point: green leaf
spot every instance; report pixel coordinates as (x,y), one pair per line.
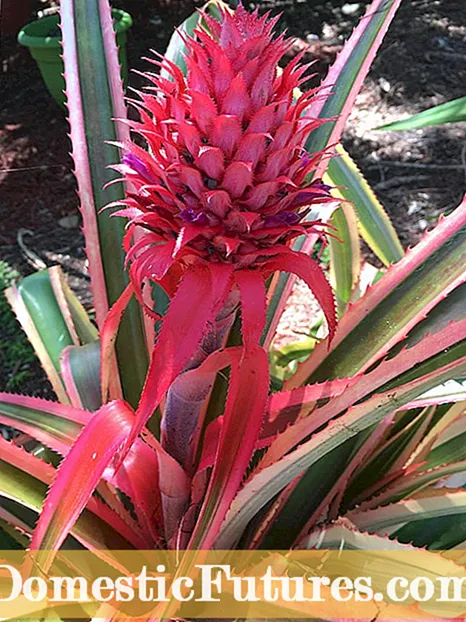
(39,298)
(436,533)
(383,461)
(450,112)
(28,492)
(81,372)
(345,77)
(11,538)
(53,320)
(294,351)
(345,256)
(373,222)
(263,485)
(341,535)
(307,496)
(36,307)
(409,484)
(411,563)
(74,313)
(451,446)
(335,101)
(54,425)
(389,519)
(95,99)
(395,305)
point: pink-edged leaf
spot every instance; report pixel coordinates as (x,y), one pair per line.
(394,305)
(337,95)
(80,369)
(425,418)
(78,476)
(451,392)
(21,459)
(72,309)
(253,305)
(64,411)
(54,441)
(89,205)
(238,437)
(17,529)
(312,274)
(285,407)
(335,495)
(38,341)
(428,504)
(411,482)
(452,423)
(113,67)
(138,478)
(57,281)
(345,78)
(182,330)
(342,534)
(45,473)
(373,222)
(356,389)
(58,426)
(94,533)
(94,100)
(267,521)
(68,379)
(174,486)
(264,484)
(122,523)
(380,484)
(345,255)
(108,336)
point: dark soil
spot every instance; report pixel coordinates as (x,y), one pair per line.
(417,174)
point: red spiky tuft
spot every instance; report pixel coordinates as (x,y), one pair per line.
(225,174)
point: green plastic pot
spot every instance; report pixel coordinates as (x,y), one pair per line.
(43,38)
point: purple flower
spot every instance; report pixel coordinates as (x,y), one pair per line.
(131,160)
(197,218)
(311,194)
(282,218)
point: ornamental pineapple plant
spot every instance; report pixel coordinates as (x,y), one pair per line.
(175,426)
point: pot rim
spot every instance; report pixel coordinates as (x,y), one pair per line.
(122,22)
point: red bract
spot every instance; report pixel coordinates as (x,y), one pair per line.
(222,187)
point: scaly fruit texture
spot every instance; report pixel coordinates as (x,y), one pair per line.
(222,188)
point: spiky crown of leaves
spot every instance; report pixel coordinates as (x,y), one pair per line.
(223,178)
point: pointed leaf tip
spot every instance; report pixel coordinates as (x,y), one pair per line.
(77,477)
